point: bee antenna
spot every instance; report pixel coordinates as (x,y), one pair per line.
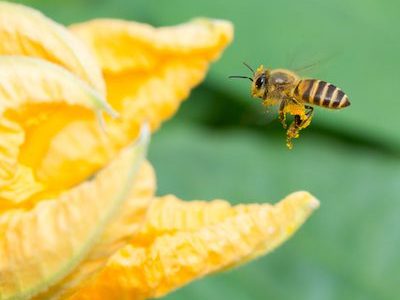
(237,76)
(250,68)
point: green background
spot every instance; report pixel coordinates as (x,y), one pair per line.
(223,145)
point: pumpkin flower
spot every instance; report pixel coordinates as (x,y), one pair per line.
(79,214)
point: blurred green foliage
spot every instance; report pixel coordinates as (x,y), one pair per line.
(223,145)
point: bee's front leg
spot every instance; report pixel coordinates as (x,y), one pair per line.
(282,113)
(292,132)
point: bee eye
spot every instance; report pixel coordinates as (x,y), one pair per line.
(260,81)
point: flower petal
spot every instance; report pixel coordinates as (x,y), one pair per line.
(142,91)
(25,80)
(117,235)
(41,245)
(31,91)
(25,31)
(149,71)
(191,251)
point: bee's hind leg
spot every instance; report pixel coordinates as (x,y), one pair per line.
(303,121)
(299,123)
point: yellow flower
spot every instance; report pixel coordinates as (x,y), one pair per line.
(79,218)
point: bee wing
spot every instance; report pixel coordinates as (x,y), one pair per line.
(310,67)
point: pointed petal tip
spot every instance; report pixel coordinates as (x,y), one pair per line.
(223,26)
(305,198)
(298,207)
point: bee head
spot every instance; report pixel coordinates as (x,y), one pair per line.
(259,81)
(259,87)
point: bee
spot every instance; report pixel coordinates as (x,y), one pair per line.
(294,95)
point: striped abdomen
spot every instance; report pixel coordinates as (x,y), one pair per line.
(321,93)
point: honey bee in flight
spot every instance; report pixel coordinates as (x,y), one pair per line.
(294,95)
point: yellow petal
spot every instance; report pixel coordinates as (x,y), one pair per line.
(151,70)
(138,46)
(17,181)
(25,31)
(169,215)
(42,245)
(175,258)
(30,81)
(138,91)
(115,236)
(31,90)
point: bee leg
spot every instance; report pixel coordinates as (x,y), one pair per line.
(303,122)
(293,131)
(282,114)
(299,123)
